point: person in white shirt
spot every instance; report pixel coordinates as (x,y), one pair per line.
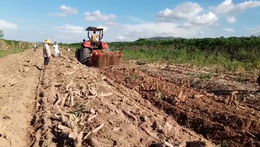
(34,47)
(56,49)
(46,53)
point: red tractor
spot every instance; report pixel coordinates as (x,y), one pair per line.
(95,52)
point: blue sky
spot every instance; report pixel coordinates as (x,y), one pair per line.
(124,20)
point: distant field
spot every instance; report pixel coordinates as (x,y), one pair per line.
(13,44)
(234,53)
(4,53)
(11,47)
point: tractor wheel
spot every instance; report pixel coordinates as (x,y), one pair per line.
(77,54)
(85,55)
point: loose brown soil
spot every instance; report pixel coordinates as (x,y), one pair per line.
(18,81)
(70,104)
(210,80)
(216,118)
(95,111)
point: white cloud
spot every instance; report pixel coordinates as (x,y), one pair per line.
(229,9)
(209,19)
(136,19)
(70,29)
(185,25)
(127,32)
(228,30)
(231,19)
(183,11)
(68,33)
(64,11)
(253,30)
(201,33)
(68,10)
(97,16)
(7,25)
(188,11)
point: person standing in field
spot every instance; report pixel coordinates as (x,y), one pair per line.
(35,46)
(46,53)
(56,49)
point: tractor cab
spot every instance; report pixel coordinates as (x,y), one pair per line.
(95,35)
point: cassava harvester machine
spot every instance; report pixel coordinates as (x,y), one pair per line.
(95,52)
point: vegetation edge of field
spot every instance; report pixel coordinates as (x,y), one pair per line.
(4,53)
(233,53)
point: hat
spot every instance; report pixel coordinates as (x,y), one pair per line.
(47,41)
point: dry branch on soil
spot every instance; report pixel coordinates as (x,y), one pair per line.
(232,100)
(71,100)
(71,130)
(92,117)
(150,133)
(94,142)
(129,114)
(98,128)
(74,116)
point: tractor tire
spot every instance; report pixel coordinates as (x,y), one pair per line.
(77,54)
(85,53)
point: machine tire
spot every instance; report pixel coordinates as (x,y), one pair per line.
(77,54)
(85,53)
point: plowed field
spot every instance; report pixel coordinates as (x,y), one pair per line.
(70,104)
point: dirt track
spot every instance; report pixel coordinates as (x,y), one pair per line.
(71,104)
(18,82)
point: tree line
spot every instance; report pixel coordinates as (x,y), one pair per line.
(236,48)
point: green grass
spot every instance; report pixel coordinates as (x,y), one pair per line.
(4,53)
(197,58)
(191,74)
(205,76)
(239,79)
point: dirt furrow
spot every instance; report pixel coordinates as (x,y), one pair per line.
(222,120)
(78,106)
(219,83)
